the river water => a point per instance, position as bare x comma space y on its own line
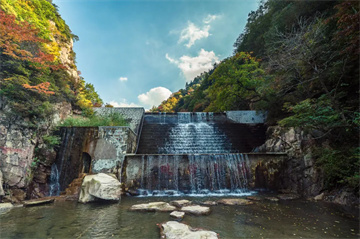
263, 219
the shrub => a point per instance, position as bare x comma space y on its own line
113, 119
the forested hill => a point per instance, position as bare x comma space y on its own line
298, 60
37, 63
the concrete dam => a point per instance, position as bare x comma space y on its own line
196, 154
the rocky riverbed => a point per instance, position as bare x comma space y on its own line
291, 218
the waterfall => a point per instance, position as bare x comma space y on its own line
195, 135
194, 174
54, 181
194, 154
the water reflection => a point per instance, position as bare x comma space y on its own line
285, 219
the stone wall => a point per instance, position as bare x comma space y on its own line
247, 116
18, 140
106, 147
132, 115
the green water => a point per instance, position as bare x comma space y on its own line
264, 219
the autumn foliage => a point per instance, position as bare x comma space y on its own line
40, 88
14, 34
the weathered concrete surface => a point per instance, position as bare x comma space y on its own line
104, 148
100, 186
247, 116
176, 230
136, 165
153, 206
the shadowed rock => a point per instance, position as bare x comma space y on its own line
288, 196
235, 201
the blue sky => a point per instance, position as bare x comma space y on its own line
137, 52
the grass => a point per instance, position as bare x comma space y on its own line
113, 119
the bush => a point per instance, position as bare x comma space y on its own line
341, 167
113, 119
51, 140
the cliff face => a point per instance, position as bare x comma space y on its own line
27, 115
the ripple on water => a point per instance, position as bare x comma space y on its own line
284, 219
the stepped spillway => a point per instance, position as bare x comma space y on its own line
197, 133
193, 154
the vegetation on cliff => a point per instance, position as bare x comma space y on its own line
303, 70
33, 75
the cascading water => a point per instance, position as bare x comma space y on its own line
54, 181
194, 135
196, 159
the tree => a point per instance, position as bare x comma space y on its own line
236, 80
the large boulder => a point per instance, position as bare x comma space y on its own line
176, 230
100, 186
153, 206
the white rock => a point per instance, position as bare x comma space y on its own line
176, 230
153, 206
180, 203
100, 186
6, 205
196, 210
177, 214
319, 197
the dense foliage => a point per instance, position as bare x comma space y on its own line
32, 77
308, 77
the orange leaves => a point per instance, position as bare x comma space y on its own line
40, 88
13, 34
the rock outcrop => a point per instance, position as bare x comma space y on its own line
176, 230
298, 175
100, 186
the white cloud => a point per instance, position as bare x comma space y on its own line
192, 33
123, 104
123, 79
194, 66
154, 96
209, 18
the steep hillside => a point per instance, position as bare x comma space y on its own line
39, 86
